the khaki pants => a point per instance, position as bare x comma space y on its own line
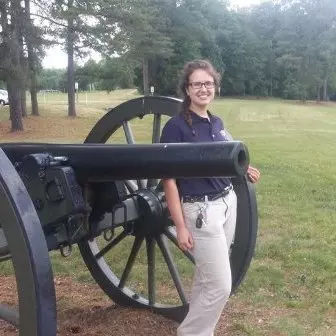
212, 279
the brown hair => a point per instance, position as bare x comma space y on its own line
188, 69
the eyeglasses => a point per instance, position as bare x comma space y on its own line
198, 85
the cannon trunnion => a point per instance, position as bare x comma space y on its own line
61, 195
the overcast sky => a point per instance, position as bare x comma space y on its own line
56, 58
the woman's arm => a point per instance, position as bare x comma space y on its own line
184, 237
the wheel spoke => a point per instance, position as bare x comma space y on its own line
128, 132
112, 244
130, 140
162, 242
152, 183
170, 232
134, 252
159, 186
142, 183
131, 186
151, 270
156, 128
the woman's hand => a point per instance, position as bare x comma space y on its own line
253, 174
184, 239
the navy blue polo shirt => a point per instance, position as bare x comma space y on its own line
202, 130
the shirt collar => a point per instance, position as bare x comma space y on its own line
196, 118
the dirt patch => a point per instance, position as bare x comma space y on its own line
54, 128
83, 309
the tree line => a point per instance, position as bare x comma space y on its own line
279, 48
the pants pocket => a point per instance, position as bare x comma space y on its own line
190, 213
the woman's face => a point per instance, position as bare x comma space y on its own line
201, 88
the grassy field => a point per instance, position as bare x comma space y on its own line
290, 288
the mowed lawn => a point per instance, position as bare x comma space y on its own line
290, 288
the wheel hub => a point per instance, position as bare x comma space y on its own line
152, 219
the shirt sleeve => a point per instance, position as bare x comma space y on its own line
228, 135
171, 133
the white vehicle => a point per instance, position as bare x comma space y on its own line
3, 97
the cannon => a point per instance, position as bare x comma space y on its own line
101, 193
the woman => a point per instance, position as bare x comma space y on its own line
203, 209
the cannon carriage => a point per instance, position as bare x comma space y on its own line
97, 195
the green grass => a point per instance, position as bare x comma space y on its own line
292, 278
295, 261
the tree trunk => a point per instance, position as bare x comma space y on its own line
33, 92
23, 62
145, 76
31, 63
23, 101
271, 70
11, 38
15, 80
71, 67
3, 20
15, 107
325, 89
6, 53
318, 93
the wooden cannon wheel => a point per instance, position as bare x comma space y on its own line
122, 121
23, 232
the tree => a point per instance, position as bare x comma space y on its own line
70, 23
87, 75
307, 54
191, 36
32, 36
142, 34
266, 21
12, 69
115, 73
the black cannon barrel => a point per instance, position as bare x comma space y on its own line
115, 162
